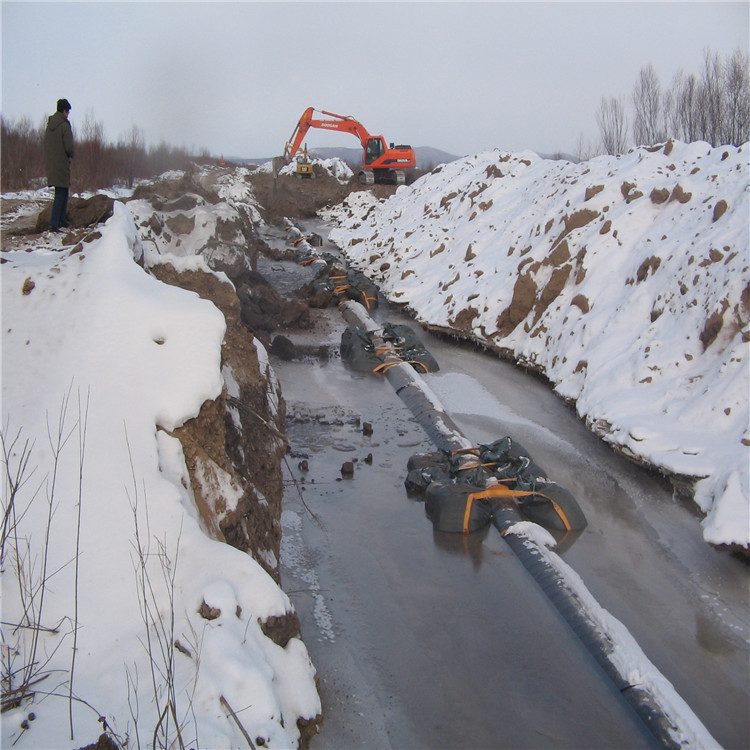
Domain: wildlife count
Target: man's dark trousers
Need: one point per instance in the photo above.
(59, 208)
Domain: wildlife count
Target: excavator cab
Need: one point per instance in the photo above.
(374, 150)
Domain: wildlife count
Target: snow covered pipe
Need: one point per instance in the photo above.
(412, 390)
(671, 721)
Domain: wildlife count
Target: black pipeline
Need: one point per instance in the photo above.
(671, 721)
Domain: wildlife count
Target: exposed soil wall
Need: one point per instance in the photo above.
(239, 440)
(287, 196)
(236, 437)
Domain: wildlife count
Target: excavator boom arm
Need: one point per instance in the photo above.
(377, 157)
(342, 123)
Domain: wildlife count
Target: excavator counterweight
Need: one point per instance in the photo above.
(380, 162)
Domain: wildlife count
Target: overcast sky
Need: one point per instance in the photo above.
(235, 77)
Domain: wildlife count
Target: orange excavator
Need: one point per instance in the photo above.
(380, 163)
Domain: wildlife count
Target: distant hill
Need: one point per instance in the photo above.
(427, 157)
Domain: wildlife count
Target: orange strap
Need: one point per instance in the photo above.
(343, 288)
(461, 451)
(467, 512)
(392, 363)
(501, 491)
(387, 365)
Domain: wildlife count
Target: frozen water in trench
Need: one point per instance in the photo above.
(429, 640)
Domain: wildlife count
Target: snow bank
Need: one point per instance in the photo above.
(100, 361)
(623, 279)
(335, 167)
(186, 232)
(234, 188)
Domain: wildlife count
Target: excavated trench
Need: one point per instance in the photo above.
(425, 639)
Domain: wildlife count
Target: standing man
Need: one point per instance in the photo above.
(58, 144)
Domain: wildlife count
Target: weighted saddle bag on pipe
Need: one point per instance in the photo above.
(462, 508)
(410, 348)
(450, 509)
(355, 286)
(424, 468)
(546, 502)
(321, 285)
(361, 289)
(517, 480)
(359, 350)
(551, 506)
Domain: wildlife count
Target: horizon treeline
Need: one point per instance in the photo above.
(97, 163)
(712, 106)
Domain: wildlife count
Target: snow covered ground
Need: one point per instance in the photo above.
(103, 549)
(335, 167)
(625, 280)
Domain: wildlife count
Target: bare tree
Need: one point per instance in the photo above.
(22, 153)
(97, 163)
(711, 99)
(736, 118)
(134, 154)
(686, 103)
(671, 107)
(713, 106)
(648, 124)
(585, 149)
(612, 125)
(88, 167)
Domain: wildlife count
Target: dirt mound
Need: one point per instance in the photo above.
(264, 310)
(303, 198)
(172, 213)
(82, 212)
(215, 449)
(162, 192)
(22, 219)
(295, 197)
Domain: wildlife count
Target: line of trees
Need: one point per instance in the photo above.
(97, 163)
(713, 106)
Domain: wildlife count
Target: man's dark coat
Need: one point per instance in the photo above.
(58, 143)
